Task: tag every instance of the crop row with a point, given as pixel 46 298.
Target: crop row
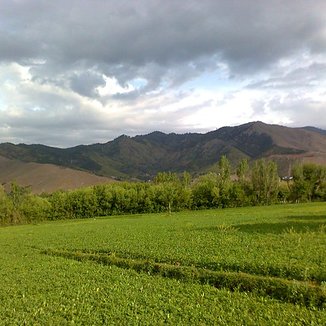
pixel 243 266
pixel 298 292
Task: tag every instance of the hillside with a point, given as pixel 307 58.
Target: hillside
pixel 145 155
pixel 45 177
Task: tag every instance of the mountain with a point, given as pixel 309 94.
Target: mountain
pixel 144 155
pixel 321 131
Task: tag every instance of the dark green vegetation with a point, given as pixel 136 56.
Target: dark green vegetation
pixel 144 156
pixel 168 192
pixel 239 266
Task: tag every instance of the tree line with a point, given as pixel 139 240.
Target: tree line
pixel 168 192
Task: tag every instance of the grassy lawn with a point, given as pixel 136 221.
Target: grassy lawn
pixel 244 266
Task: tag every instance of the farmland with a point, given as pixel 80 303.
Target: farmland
pixel 250 266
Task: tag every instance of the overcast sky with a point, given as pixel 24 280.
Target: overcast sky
pixel 85 71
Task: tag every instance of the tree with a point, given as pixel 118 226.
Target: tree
pixel 242 171
pixel 242 189
pixel 60 208
pixel 163 177
pixel 6 207
pixel 265 181
pixel 186 179
pixel 205 191
pixel 34 208
pixel 103 194
pixel 224 181
pixel 309 182
pixel 17 194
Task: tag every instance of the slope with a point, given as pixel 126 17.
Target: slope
pixel 45 177
pixel 145 155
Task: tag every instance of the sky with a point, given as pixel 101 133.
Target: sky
pixel 87 71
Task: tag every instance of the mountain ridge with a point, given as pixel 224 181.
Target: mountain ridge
pixel 142 156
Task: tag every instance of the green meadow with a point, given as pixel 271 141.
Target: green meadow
pixel 236 266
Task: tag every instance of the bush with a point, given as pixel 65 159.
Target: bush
pixel 34 209
pixel 6 208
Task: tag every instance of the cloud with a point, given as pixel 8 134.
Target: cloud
pixel 247 34
pixel 89 70
pixel 86 82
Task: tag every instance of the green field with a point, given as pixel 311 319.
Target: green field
pixel 243 266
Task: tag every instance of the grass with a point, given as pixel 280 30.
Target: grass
pixel 250 266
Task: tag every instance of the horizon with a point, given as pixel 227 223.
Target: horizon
pixel 159 131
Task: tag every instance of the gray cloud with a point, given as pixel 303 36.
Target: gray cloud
pixel 308 76
pixel 152 49
pixel 247 34
pixel 86 82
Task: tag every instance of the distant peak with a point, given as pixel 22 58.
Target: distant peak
pixel 257 123
pixel 122 137
pixel 156 133
pixel 314 129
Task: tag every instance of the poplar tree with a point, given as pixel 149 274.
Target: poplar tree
pixel 265 181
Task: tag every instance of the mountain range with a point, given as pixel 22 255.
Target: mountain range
pixel 141 157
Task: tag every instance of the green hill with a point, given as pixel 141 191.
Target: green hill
pixel 144 155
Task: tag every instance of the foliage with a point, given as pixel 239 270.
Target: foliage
pixel 34 209
pixel 205 191
pixel 169 192
pixel 20 206
pixel 242 266
pixel 6 207
pixel 305 293
pixel 309 182
pixel 265 181
pixel 242 171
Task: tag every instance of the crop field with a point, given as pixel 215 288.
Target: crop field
pixel 242 266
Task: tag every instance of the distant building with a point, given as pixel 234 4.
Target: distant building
pixel 287 178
